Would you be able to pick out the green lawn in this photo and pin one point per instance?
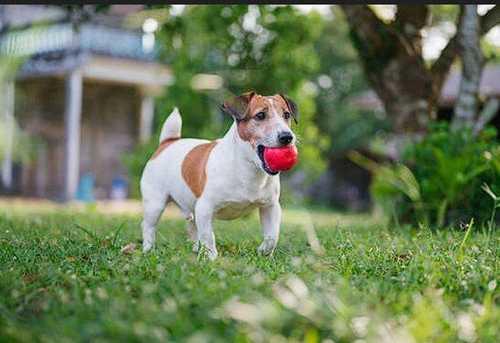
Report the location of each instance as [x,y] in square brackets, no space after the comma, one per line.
[63,277]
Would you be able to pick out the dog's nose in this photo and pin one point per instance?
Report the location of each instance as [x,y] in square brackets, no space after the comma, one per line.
[285,137]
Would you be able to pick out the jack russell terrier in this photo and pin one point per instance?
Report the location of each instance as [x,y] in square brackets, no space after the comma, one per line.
[222,179]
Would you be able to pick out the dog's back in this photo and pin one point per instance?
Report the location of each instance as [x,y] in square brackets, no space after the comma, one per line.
[161,175]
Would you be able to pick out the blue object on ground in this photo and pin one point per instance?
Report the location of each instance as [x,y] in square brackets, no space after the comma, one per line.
[119,188]
[85,190]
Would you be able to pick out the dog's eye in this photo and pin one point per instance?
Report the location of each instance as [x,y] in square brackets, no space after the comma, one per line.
[260,116]
[287,115]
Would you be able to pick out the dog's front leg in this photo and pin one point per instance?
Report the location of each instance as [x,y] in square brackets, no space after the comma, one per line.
[270,219]
[206,239]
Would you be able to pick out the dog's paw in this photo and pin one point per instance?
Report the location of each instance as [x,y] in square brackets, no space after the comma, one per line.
[206,252]
[267,247]
[196,246]
[146,247]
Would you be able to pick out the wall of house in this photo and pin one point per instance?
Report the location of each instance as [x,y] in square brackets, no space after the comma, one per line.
[39,113]
[110,127]
[110,117]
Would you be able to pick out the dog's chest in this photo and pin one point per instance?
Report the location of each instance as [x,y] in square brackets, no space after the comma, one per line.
[233,210]
[242,198]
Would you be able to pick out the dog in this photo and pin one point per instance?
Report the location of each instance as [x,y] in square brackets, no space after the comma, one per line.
[221,179]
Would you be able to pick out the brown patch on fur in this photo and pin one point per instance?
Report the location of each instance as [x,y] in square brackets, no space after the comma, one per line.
[283,105]
[290,105]
[281,102]
[246,129]
[237,107]
[194,167]
[257,103]
[163,145]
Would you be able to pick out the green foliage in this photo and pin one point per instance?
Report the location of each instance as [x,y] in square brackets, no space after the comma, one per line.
[136,162]
[442,178]
[491,51]
[443,13]
[64,278]
[312,142]
[23,146]
[347,126]
[9,66]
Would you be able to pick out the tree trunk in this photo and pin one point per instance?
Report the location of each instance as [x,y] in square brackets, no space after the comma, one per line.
[405,88]
[2,18]
[392,60]
[472,64]
[488,113]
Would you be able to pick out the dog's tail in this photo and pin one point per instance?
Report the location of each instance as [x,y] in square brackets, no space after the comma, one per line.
[172,127]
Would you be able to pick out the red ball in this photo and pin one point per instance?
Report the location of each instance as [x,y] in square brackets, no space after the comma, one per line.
[282,158]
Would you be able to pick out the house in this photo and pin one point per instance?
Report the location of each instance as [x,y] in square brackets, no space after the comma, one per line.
[83,94]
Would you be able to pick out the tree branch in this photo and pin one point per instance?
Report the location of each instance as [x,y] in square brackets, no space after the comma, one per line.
[488,113]
[490,19]
[472,65]
[410,19]
[415,15]
[442,65]
[369,32]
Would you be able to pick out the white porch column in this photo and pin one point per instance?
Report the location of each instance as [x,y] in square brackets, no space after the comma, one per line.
[72,116]
[8,126]
[146,118]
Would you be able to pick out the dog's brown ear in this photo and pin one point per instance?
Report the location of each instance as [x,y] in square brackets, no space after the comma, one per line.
[237,107]
[292,107]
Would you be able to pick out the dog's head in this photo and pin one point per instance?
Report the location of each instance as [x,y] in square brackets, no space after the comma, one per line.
[263,121]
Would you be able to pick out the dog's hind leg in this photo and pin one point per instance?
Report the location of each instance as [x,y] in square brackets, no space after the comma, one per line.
[153,209]
[192,232]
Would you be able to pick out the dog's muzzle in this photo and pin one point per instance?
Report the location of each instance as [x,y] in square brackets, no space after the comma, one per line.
[260,153]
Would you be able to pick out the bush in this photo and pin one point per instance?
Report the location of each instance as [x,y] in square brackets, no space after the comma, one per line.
[135,161]
[442,178]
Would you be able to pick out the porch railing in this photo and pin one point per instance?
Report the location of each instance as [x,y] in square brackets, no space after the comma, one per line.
[94,38]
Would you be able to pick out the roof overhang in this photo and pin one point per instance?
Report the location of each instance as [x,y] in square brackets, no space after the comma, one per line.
[148,75]
[489,88]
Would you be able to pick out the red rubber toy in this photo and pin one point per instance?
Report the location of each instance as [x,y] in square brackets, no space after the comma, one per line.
[282,158]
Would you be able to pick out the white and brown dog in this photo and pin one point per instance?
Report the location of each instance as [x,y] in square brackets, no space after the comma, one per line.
[222,179]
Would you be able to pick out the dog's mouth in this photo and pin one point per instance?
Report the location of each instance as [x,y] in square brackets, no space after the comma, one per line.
[260,153]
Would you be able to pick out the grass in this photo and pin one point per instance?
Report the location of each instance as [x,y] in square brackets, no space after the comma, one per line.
[64,277]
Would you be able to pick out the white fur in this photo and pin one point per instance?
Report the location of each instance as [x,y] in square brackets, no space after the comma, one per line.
[236,184]
[172,126]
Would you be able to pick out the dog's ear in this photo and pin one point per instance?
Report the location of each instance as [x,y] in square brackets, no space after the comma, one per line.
[292,107]
[237,107]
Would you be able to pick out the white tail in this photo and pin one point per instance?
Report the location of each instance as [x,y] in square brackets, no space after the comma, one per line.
[172,126]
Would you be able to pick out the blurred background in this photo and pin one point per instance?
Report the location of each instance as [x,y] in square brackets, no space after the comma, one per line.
[399,105]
